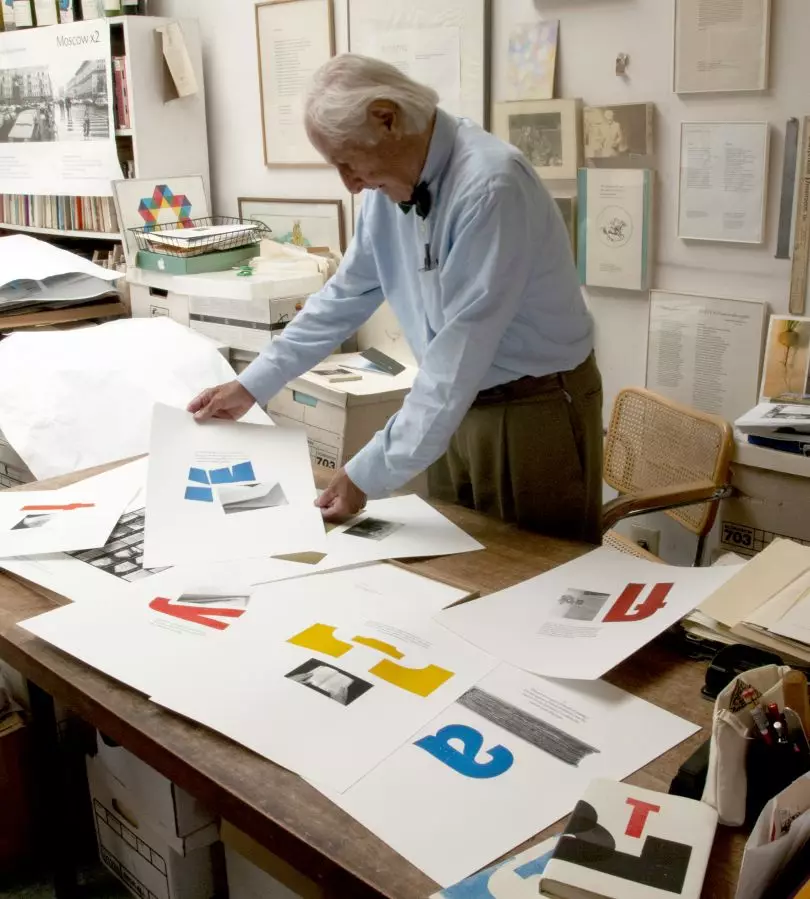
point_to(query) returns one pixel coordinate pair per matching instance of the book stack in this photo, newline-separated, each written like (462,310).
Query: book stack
(123,120)
(623,842)
(781,426)
(91,214)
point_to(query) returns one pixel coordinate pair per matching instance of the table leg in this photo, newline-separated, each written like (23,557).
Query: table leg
(53,820)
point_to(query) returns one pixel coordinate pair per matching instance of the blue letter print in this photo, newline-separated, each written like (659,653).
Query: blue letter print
(464,762)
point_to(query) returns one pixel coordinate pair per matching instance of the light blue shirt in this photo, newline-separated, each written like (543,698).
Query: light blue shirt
(501,300)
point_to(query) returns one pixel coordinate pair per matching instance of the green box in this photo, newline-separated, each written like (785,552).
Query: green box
(197,265)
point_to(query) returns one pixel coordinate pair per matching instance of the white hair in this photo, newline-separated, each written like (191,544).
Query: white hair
(344,88)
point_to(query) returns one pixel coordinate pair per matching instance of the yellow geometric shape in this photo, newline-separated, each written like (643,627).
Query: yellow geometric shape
(420,681)
(387,648)
(321,638)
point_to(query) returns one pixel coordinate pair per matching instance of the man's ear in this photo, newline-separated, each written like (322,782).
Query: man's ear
(384,116)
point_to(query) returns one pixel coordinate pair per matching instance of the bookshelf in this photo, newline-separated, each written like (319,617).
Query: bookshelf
(167,135)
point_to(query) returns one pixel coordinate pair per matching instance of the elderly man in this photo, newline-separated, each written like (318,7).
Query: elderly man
(463,240)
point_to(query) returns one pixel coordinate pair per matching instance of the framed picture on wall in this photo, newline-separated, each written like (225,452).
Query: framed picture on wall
(294,38)
(624,131)
(303,223)
(547,132)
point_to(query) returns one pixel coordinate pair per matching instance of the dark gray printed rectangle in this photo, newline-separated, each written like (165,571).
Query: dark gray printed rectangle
(372,529)
(541,734)
(581,605)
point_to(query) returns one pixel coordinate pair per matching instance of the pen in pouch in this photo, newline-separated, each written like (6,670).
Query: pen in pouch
(761,723)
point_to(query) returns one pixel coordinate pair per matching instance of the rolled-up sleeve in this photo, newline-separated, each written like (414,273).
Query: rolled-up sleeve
(482,283)
(328,318)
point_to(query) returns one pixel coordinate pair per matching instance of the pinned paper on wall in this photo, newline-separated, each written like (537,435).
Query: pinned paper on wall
(341,692)
(486,754)
(533,60)
(606,602)
(227,490)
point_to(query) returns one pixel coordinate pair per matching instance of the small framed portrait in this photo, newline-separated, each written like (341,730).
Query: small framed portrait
(547,132)
(624,131)
(312,224)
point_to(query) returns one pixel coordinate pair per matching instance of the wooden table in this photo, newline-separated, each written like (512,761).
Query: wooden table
(276,807)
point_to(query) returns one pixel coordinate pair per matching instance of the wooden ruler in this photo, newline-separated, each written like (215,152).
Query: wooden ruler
(801,241)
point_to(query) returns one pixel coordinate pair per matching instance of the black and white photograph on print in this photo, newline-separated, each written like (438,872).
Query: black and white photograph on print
(249,497)
(55,102)
(123,554)
(790,412)
(37,520)
(618,132)
(538,136)
(581,605)
(329,681)
(373,529)
(212,598)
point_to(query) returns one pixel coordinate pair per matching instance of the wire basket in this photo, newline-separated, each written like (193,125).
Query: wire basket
(196,237)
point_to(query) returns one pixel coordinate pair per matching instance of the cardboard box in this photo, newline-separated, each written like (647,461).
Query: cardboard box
(340,418)
(13,471)
(222,261)
(766,504)
(148,302)
(144,861)
(255,872)
(247,325)
(168,810)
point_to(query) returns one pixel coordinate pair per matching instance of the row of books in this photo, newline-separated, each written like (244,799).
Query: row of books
(60,213)
(121,93)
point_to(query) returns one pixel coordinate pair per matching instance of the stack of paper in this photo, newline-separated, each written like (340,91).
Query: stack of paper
(776,420)
(37,275)
(767,604)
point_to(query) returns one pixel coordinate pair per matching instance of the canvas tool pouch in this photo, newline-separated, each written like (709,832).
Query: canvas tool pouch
(733,735)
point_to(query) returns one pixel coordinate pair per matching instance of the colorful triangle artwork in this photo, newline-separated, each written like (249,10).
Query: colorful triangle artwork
(164,198)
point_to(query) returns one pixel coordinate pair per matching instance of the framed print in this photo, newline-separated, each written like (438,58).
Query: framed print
(723,181)
(294,38)
(445,44)
(623,131)
(303,223)
(721,46)
(547,132)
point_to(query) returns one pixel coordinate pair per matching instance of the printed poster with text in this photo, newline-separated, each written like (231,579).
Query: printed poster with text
(57,128)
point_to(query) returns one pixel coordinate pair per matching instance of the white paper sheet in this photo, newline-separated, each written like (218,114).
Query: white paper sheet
(766,418)
(58,148)
(137,635)
(75,399)
(723,181)
(795,624)
(704,352)
(50,521)
(321,692)
(583,618)
(504,762)
(721,45)
(227,490)
(399,527)
(516,878)
(431,56)
(26,258)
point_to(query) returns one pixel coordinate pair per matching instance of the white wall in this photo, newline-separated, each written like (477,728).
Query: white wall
(593,32)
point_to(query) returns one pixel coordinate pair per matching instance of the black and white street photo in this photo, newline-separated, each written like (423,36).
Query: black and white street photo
(122,556)
(329,681)
(55,103)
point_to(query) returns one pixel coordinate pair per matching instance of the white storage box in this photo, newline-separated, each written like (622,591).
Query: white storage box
(147,302)
(254,872)
(242,312)
(144,861)
(13,471)
(340,418)
(164,807)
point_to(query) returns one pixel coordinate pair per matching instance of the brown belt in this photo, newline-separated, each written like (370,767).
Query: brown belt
(525,387)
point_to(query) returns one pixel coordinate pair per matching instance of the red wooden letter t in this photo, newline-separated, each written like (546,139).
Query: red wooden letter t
(638,817)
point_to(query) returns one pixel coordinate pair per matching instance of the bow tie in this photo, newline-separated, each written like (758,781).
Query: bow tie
(421,199)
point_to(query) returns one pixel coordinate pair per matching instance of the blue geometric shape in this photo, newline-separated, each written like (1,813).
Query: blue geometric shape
(198,475)
(200,494)
(465,762)
(237,474)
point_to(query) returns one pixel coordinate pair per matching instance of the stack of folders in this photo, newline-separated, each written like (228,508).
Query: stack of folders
(780,426)
(766,605)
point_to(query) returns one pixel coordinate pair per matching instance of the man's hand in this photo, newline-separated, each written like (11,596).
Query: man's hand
(341,499)
(230,401)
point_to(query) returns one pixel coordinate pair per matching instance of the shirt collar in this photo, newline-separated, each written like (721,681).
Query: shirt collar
(441,146)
